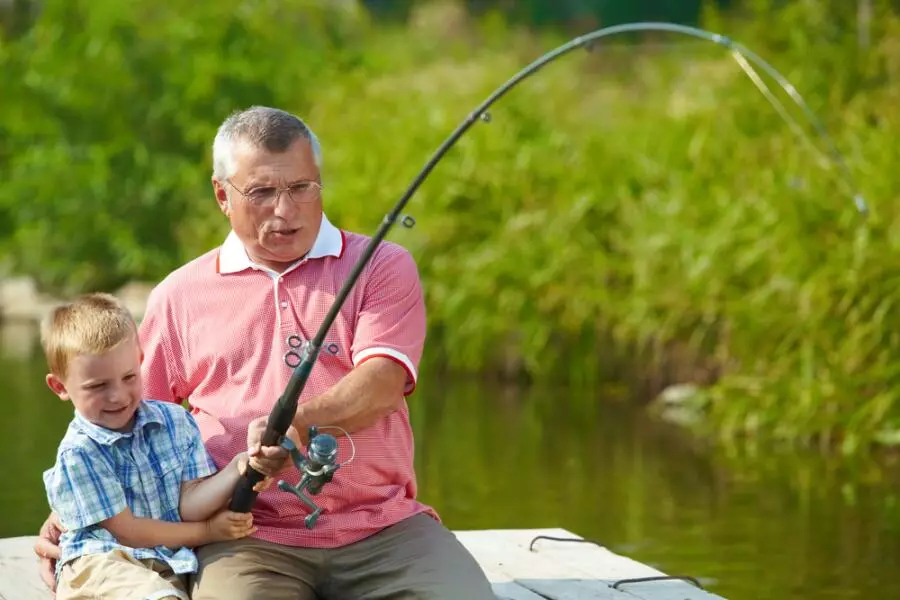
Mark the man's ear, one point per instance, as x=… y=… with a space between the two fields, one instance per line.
x=57 y=386
x=221 y=196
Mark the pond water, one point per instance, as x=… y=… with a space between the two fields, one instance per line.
x=766 y=527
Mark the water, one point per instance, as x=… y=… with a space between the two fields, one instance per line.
x=774 y=528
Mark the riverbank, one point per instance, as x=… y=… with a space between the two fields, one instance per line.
x=21 y=301
x=22 y=306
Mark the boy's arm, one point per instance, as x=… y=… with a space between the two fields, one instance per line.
x=146 y=533
x=201 y=498
x=203 y=490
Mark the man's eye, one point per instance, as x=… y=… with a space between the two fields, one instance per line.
x=260 y=193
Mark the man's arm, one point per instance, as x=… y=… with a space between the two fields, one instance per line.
x=365 y=395
x=369 y=392
x=387 y=346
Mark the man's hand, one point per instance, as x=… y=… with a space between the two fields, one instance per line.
x=47 y=548
x=242 y=461
x=268 y=460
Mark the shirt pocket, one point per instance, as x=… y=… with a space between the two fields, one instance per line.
x=155 y=486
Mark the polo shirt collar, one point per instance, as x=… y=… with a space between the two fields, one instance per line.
x=233 y=256
x=143 y=416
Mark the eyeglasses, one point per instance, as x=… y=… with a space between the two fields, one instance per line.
x=300 y=192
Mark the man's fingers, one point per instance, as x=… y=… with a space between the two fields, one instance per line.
x=272 y=452
x=268 y=467
x=266 y=462
x=46 y=549
x=294 y=435
x=48 y=552
x=52 y=528
x=263 y=485
x=46 y=570
x=55 y=520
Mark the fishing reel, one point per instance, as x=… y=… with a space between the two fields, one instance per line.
x=317 y=468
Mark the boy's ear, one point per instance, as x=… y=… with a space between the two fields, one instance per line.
x=57 y=386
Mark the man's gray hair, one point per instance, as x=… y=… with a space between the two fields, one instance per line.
x=270 y=129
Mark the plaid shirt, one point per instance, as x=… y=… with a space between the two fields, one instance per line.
x=98 y=472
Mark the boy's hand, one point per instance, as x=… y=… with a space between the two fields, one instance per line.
x=241 y=462
x=227 y=525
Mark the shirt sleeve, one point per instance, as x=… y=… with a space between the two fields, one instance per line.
x=391 y=319
x=164 y=359
x=83 y=489
x=197 y=461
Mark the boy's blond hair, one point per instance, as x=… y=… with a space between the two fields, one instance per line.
x=90 y=324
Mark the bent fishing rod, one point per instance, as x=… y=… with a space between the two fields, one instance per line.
x=318 y=467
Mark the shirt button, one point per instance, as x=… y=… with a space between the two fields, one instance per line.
x=284 y=305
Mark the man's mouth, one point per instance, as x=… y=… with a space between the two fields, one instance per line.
x=284 y=232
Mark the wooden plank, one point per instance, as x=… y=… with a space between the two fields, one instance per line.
x=19 y=579
x=600 y=563
x=553 y=570
x=580 y=564
x=551 y=579
x=504 y=587
x=510 y=590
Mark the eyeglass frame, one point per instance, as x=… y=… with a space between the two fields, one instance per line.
x=277 y=192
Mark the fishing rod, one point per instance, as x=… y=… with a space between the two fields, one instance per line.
x=324 y=445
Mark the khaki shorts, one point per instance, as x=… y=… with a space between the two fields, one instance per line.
x=117 y=575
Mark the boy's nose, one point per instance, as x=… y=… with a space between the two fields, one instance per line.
x=119 y=397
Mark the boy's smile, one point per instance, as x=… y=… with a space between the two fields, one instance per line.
x=105 y=388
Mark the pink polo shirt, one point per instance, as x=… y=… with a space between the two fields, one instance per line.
x=215 y=332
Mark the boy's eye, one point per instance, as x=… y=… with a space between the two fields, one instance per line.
x=130 y=377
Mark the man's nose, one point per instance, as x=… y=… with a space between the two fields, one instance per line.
x=284 y=204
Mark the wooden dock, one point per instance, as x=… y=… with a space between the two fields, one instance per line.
x=522 y=564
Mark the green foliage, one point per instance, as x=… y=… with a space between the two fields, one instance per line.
x=110 y=112
x=633 y=211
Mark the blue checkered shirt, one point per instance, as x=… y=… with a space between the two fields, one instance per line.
x=98 y=472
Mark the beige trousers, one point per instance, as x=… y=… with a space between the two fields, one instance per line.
x=117 y=575
x=415 y=559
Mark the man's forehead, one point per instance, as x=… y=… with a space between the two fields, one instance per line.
x=255 y=163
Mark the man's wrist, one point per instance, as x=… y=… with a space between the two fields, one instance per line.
x=301 y=425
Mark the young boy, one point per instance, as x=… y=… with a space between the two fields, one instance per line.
x=133 y=484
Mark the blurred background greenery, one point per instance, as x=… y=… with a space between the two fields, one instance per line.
x=631 y=218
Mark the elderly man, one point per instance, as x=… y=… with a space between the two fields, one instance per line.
x=215 y=333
